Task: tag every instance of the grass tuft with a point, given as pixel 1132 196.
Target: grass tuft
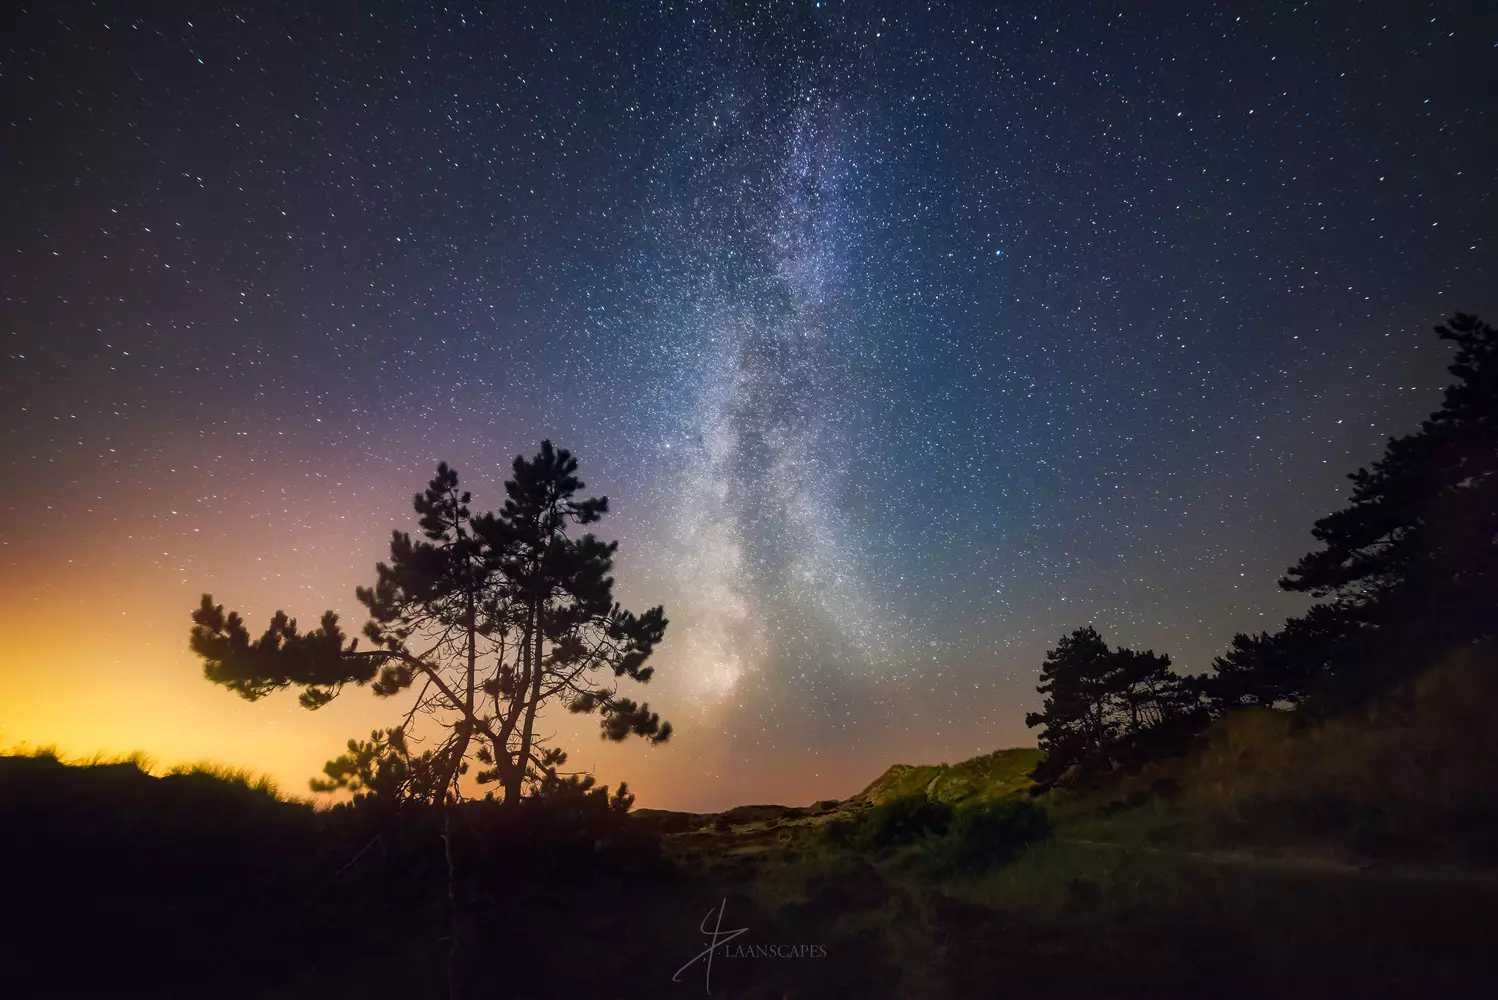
pixel 241 777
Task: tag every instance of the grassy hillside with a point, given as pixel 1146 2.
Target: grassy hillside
pixel 1133 895
pixel 1414 772
pixel 172 881
pixel 1153 884
pixel 993 775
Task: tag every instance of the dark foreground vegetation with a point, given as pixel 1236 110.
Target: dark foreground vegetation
pixel 119 882
pixel 1353 856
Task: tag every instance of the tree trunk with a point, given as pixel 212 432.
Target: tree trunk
pixel 468 718
pixel 514 779
pixel 473 626
pixel 534 699
pixel 454 968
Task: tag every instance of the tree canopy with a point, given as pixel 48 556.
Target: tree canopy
pixel 1408 569
pixel 481 621
pixel 1105 707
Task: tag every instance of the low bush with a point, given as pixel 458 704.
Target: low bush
pixel 904 819
pixel 986 833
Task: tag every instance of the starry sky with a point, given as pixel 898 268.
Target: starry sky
pixel 903 338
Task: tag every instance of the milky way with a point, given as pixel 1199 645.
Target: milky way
pixel 903 339
pixel 771 567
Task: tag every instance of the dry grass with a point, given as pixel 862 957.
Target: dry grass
pixel 241 777
pixel 993 775
pixel 1416 770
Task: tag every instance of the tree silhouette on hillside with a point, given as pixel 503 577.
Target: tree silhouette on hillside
pixel 1408 570
pixel 483 621
pixel 1108 707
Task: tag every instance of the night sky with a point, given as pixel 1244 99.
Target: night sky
pixel 902 337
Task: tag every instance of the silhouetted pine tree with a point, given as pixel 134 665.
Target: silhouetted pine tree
pixel 384 768
pixel 1105 707
pixel 571 629
pixel 493 616
pixel 1408 569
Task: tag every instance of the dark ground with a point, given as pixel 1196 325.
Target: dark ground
pixel 123 884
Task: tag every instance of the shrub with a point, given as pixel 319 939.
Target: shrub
pixel 903 819
pixel 841 831
pixel 986 833
pixel 675 823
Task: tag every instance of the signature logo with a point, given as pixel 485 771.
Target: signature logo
pixel 716 937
